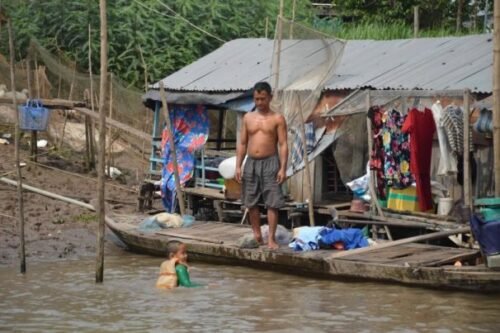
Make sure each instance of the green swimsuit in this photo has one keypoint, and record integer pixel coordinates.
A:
(183, 279)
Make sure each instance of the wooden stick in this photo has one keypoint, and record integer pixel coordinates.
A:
(22, 254)
(416, 23)
(466, 148)
(102, 144)
(91, 122)
(37, 78)
(173, 152)
(110, 133)
(266, 31)
(28, 74)
(277, 53)
(293, 18)
(305, 158)
(496, 96)
(434, 235)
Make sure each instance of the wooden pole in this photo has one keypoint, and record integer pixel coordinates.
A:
(37, 78)
(496, 95)
(91, 122)
(293, 18)
(110, 137)
(416, 22)
(278, 48)
(466, 157)
(99, 274)
(173, 152)
(460, 5)
(266, 31)
(305, 158)
(28, 74)
(22, 254)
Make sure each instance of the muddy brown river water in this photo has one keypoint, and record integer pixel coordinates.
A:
(62, 297)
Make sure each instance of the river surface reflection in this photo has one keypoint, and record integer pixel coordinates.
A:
(62, 297)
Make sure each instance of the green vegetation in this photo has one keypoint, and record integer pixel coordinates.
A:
(86, 217)
(148, 36)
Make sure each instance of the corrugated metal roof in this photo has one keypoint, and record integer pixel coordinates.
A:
(423, 63)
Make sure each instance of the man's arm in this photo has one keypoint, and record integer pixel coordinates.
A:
(241, 149)
(283, 148)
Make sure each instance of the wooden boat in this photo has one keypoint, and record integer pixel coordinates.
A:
(402, 261)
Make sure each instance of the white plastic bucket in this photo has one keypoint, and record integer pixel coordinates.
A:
(445, 205)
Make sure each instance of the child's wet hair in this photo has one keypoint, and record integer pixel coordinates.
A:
(173, 247)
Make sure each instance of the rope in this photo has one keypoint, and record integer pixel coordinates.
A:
(5, 215)
(177, 16)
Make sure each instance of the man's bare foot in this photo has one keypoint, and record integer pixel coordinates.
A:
(259, 240)
(273, 245)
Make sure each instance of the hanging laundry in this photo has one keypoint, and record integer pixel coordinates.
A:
(447, 160)
(397, 151)
(420, 125)
(190, 130)
(453, 124)
(297, 151)
(377, 156)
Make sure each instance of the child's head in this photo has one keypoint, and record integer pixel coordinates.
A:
(177, 250)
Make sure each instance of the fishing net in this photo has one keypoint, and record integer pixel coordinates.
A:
(306, 60)
(54, 76)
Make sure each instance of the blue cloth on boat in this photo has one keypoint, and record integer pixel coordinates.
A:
(487, 234)
(352, 238)
(307, 239)
(190, 130)
(149, 225)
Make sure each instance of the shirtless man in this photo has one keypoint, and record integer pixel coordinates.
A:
(263, 138)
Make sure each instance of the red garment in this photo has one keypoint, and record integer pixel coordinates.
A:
(421, 127)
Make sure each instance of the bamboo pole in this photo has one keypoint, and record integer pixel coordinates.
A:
(28, 74)
(22, 254)
(416, 21)
(102, 143)
(37, 78)
(166, 114)
(110, 136)
(466, 148)
(294, 4)
(305, 158)
(496, 96)
(91, 122)
(277, 54)
(266, 31)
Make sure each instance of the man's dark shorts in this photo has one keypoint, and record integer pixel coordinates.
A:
(259, 179)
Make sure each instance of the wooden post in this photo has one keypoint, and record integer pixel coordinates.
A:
(22, 255)
(110, 137)
(37, 78)
(466, 148)
(28, 74)
(460, 5)
(33, 146)
(496, 96)
(305, 158)
(266, 31)
(416, 23)
(180, 194)
(278, 49)
(91, 122)
(99, 274)
(293, 18)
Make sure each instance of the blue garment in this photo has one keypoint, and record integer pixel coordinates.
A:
(352, 238)
(487, 234)
(307, 239)
(190, 130)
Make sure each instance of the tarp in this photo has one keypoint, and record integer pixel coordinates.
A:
(189, 98)
(190, 129)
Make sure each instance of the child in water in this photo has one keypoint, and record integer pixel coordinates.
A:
(174, 271)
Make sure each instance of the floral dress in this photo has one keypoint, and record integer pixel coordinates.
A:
(396, 147)
(377, 154)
